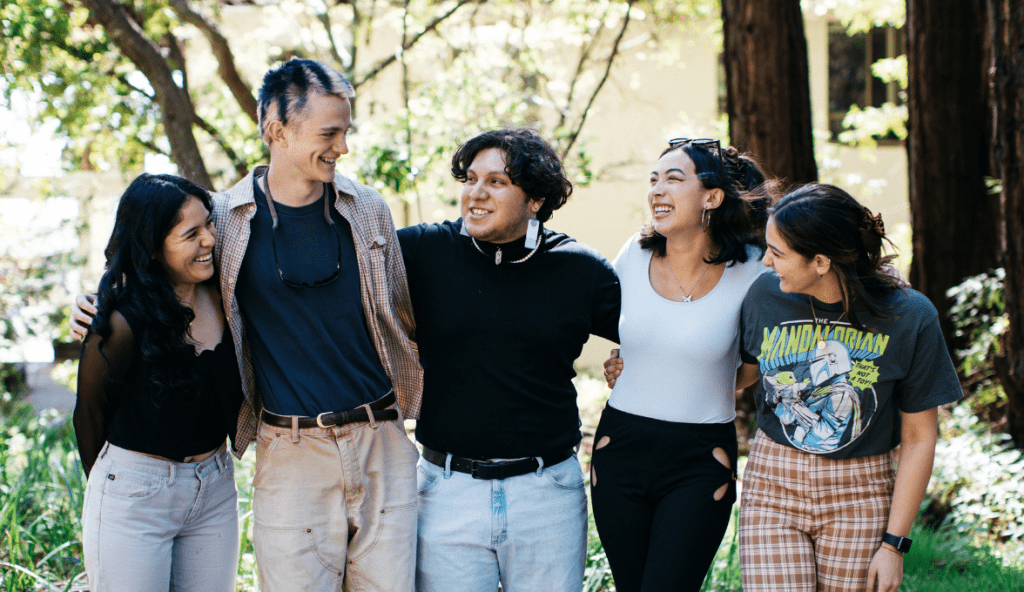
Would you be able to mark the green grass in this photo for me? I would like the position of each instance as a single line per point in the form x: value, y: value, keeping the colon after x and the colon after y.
x: 945, y: 561
x: 42, y: 486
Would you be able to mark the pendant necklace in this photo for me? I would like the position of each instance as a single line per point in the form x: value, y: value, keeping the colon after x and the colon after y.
x: 826, y: 324
x: 497, y: 254
x: 687, y: 297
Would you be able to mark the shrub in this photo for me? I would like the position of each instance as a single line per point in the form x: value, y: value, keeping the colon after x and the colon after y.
x: 979, y: 477
x: 979, y: 317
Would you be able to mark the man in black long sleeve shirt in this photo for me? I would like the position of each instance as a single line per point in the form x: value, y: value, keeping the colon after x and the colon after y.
x: 501, y: 316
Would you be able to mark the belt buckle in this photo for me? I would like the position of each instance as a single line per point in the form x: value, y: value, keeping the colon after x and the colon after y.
x: 483, y: 464
x: 320, y: 421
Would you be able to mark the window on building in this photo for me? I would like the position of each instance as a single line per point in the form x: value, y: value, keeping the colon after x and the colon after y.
x: 850, y: 81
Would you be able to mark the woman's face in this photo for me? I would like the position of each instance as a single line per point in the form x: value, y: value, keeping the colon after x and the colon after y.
x: 187, y: 254
x: 796, y: 272
x: 677, y: 197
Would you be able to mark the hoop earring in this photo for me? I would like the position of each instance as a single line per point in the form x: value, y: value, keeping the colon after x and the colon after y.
x: 705, y: 219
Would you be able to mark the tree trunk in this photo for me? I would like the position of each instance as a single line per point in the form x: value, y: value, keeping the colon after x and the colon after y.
x: 767, y: 90
x: 953, y: 218
x: 175, y: 104
x: 1007, y: 92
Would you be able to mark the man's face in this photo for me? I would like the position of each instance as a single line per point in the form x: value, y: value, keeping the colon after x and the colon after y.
x: 313, y: 144
x: 493, y: 209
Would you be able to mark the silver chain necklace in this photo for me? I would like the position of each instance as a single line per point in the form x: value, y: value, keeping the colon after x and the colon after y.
x: 687, y: 297
x: 497, y: 254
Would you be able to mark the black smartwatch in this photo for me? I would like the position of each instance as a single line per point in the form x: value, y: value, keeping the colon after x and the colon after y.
x: 901, y: 543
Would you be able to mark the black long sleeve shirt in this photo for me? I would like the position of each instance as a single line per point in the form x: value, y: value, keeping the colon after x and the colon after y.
x: 497, y: 342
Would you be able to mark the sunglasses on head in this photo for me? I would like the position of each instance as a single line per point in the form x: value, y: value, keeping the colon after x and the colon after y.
x: 707, y: 143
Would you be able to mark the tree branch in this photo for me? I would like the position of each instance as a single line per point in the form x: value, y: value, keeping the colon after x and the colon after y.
x: 151, y: 146
x: 325, y: 20
x: 175, y: 103
x: 585, y: 52
x: 176, y: 58
x: 379, y: 66
x: 241, y: 168
x: 124, y: 80
x: 353, y: 48
x: 607, y: 70
x: 222, y: 51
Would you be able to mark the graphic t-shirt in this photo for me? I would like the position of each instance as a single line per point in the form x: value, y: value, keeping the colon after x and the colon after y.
x: 829, y: 388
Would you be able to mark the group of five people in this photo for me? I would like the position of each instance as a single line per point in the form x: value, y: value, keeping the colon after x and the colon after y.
x: 321, y: 328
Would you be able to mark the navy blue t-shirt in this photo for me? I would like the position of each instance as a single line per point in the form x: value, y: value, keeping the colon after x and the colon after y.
x: 310, y: 347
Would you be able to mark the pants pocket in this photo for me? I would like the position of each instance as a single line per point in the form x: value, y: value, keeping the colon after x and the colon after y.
x: 290, y: 556
x: 128, y: 485
x: 566, y: 475
x: 428, y: 475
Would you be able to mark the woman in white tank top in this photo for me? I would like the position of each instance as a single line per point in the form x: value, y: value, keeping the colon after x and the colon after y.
x: 663, y: 472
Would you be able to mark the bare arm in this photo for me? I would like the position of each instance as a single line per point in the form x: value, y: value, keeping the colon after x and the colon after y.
x: 917, y: 453
x: 746, y: 375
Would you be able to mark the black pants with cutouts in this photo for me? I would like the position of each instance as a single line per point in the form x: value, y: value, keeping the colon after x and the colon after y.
x: 653, y: 487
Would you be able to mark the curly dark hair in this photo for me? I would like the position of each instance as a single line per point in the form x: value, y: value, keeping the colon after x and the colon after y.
x: 731, y: 225
x: 136, y: 283
x: 530, y: 162
x: 819, y: 219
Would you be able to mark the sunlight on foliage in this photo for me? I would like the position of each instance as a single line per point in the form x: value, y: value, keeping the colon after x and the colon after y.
x: 981, y: 477
x: 864, y: 126
x: 858, y: 16
x: 891, y: 70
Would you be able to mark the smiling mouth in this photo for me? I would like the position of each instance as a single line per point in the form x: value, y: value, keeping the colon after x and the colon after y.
x: 478, y: 212
x: 328, y: 160
x: 661, y: 210
x: 204, y: 258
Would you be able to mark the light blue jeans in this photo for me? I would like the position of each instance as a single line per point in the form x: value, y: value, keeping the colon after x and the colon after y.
x: 150, y: 525
x: 528, y: 532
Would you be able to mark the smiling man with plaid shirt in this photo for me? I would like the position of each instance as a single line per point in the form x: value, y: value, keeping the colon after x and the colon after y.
x: 315, y: 293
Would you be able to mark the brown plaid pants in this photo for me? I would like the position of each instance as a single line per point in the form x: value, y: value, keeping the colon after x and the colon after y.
x: 808, y: 522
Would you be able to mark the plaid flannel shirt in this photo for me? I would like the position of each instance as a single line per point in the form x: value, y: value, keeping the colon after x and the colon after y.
x: 382, y: 284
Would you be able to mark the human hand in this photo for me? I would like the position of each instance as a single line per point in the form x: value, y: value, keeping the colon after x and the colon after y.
x: 83, y: 309
x: 891, y: 271
x: 612, y: 368
x: 886, y: 571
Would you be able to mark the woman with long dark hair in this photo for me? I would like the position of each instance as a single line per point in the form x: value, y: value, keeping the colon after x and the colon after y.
x: 158, y: 391
x: 664, y: 460
x: 852, y: 366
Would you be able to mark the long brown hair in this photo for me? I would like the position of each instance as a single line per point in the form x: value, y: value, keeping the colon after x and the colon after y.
x: 819, y: 219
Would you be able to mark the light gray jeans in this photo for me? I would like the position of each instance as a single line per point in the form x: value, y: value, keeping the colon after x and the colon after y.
x: 150, y: 525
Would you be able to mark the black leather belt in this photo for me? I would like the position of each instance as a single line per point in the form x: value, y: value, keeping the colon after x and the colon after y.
x: 486, y: 469
x: 339, y: 418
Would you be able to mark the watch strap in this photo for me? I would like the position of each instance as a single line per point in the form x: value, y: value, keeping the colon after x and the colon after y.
x: 901, y: 543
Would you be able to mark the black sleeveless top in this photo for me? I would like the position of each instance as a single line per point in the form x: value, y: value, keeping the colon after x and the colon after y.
x: 117, y: 401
